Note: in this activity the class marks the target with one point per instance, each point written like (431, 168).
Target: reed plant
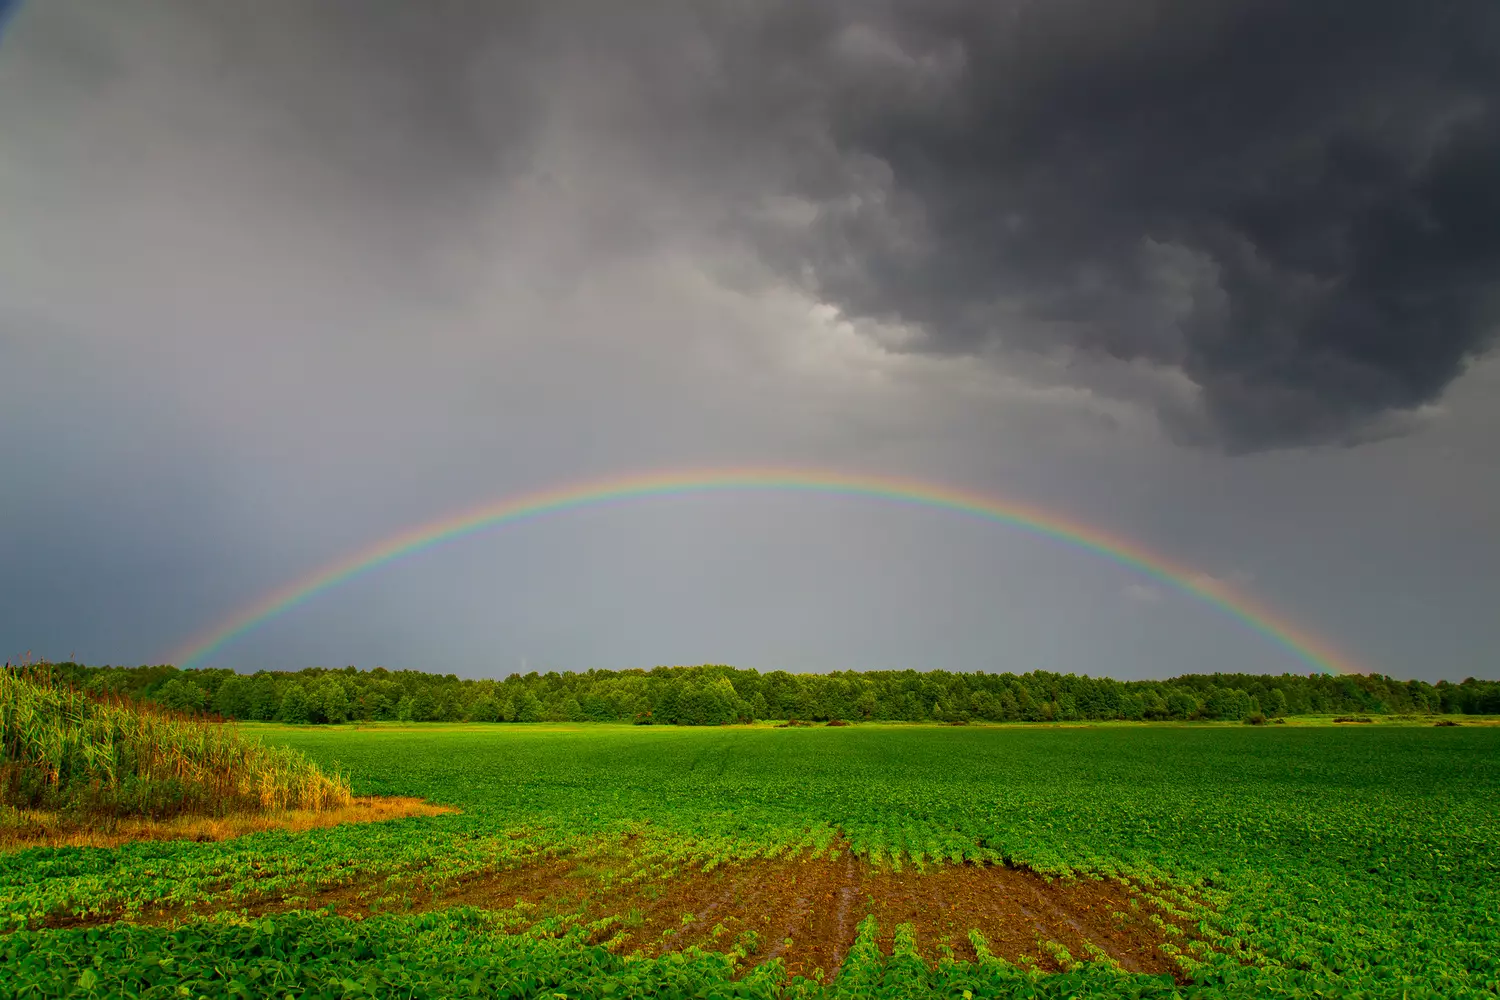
(64, 750)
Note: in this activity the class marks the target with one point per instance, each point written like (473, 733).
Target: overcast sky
(280, 279)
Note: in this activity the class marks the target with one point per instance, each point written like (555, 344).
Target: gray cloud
(1274, 224)
(1290, 204)
(280, 279)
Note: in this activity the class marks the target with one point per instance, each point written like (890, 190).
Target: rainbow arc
(1315, 652)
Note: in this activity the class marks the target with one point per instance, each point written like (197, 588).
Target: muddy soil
(807, 913)
(804, 911)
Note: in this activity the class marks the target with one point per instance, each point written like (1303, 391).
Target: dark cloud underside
(1292, 204)
(281, 277)
(1275, 222)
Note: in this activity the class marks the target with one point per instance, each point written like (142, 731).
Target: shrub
(61, 749)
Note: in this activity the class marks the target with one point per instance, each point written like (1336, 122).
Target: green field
(1173, 861)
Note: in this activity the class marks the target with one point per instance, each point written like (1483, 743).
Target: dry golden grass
(22, 828)
(63, 749)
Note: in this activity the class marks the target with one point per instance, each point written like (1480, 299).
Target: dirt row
(804, 911)
(807, 912)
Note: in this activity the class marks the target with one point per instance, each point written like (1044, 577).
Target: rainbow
(1308, 648)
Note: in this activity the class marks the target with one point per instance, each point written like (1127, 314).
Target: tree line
(719, 695)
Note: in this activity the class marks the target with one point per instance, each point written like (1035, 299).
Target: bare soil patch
(33, 828)
(807, 913)
(804, 911)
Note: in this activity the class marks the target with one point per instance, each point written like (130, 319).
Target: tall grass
(61, 749)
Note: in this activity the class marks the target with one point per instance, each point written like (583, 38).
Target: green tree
(983, 705)
(530, 708)
(328, 701)
(180, 695)
(265, 701)
(1181, 705)
(446, 706)
(721, 704)
(668, 706)
(232, 700)
(296, 708)
(424, 706)
(486, 709)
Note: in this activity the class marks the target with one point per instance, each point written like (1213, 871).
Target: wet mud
(804, 911)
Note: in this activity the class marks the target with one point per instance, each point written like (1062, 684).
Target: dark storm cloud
(1276, 222)
(306, 272)
(1293, 204)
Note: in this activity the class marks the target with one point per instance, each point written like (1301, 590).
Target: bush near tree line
(718, 695)
(68, 750)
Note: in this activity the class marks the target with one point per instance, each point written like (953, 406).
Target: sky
(1220, 277)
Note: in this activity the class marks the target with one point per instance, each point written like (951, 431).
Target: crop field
(1145, 861)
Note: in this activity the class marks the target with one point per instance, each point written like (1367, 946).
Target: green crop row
(463, 952)
(1306, 862)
